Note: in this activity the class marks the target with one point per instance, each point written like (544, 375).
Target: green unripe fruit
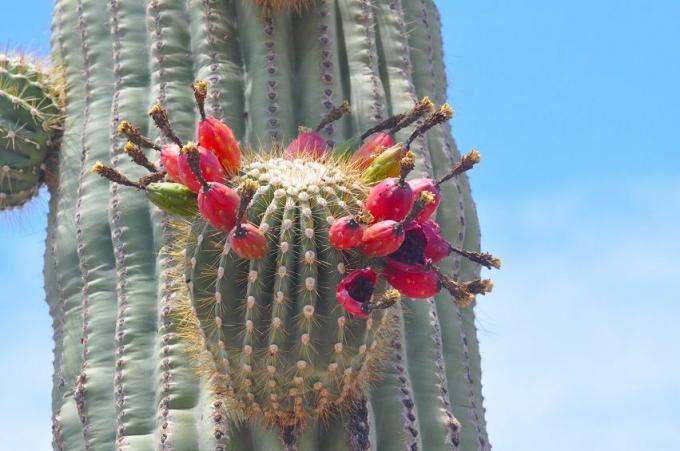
(30, 118)
(173, 198)
(385, 165)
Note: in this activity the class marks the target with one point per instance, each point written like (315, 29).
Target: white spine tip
(252, 276)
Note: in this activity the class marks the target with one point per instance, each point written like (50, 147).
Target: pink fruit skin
(218, 206)
(249, 243)
(210, 168)
(345, 233)
(381, 239)
(436, 247)
(345, 299)
(414, 284)
(218, 138)
(169, 160)
(425, 184)
(374, 146)
(390, 199)
(308, 144)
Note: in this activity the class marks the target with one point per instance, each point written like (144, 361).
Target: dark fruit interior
(413, 250)
(361, 289)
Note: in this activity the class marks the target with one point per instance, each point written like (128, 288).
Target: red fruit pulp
(169, 160)
(355, 291)
(374, 146)
(425, 184)
(390, 199)
(210, 168)
(218, 205)
(345, 233)
(382, 238)
(308, 144)
(217, 137)
(248, 242)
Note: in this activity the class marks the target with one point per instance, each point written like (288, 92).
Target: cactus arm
(93, 394)
(177, 392)
(319, 85)
(469, 270)
(465, 390)
(423, 331)
(218, 58)
(131, 228)
(394, 52)
(68, 430)
(265, 36)
(52, 290)
(355, 34)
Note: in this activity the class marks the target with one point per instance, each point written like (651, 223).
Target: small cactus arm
(123, 374)
(30, 124)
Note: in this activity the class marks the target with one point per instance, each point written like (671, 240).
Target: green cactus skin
(30, 116)
(124, 378)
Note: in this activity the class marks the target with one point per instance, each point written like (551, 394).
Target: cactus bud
(387, 164)
(308, 143)
(382, 238)
(211, 169)
(248, 242)
(217, 204)
(173, 198)
(345, 233)
(392, 198)
(369, 151)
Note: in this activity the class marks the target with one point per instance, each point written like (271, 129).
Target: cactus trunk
(125, 373)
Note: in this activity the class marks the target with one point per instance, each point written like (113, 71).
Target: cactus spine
(120, 350)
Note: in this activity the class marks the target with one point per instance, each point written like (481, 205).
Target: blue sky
(574, 106)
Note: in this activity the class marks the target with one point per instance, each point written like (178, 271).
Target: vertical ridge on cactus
(247, 346)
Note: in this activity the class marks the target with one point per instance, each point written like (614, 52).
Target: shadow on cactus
(291, 256)
(30, 127)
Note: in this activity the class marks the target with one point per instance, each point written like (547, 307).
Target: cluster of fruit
(402, 233)
(394, 228)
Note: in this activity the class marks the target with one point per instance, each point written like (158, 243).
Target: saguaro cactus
(123, 371)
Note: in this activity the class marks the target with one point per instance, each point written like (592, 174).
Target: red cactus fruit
(170, 161)
(417, 284)
(248, 242)
(374, 146)
(392, 198)
(210, 168)
(218, 138)
(425, 184)
(218, 203)
(382, 238)
(436, 247)
(215, 135)
(355, 291)
(308, 143)
(345, 233)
